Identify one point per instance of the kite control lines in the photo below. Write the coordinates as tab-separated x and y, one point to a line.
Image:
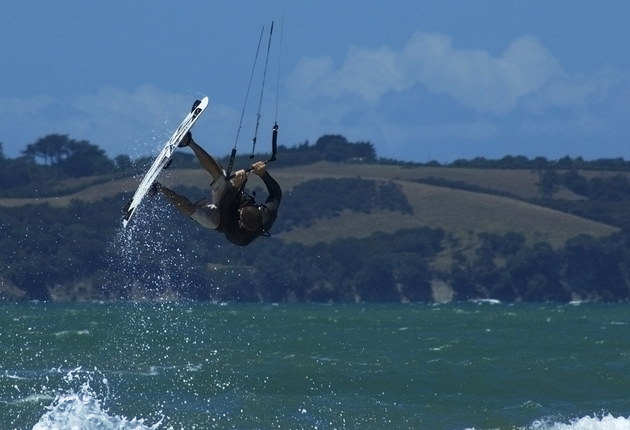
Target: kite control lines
274	130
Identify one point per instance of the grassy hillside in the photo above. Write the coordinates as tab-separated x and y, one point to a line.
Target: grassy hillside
461	213
521	183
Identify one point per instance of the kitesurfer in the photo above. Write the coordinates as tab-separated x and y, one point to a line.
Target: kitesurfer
232	211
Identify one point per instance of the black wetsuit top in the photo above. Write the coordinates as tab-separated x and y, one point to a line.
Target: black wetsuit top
233	199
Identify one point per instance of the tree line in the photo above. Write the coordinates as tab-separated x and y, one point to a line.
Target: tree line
504	268
46	163
55	157
540	164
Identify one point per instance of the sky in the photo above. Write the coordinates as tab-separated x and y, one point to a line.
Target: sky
420	80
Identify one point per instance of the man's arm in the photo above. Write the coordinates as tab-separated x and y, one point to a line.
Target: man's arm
273	188
270	208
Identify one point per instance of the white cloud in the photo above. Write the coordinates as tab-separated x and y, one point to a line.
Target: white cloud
478	130
121	122
31	106
307	77
367	73
375	94
142	102
126	122
380	94
575	91
146	106
472	77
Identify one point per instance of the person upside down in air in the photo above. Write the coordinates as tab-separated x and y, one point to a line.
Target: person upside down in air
231	211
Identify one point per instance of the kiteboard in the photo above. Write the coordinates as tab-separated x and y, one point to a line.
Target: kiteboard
163	159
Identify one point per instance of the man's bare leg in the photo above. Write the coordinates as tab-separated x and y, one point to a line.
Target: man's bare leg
205	159
180	202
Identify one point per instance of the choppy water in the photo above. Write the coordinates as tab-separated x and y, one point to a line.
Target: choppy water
209	366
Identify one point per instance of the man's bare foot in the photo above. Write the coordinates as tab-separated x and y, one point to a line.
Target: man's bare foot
185	140
155	188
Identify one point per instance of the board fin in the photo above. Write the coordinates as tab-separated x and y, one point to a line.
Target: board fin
126	211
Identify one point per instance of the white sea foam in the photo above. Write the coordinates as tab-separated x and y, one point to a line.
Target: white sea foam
83	411
73	332
605	422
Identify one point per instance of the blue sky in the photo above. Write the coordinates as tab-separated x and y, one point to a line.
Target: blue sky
421	80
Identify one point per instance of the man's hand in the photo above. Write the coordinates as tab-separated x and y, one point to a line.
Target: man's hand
240	178
259	168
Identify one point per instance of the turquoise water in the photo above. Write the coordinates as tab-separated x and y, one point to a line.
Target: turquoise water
236	366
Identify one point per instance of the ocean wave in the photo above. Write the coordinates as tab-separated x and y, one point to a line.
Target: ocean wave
83	411
605	422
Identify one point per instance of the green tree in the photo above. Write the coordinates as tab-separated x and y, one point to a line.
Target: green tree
565	163
375	280
540	165
52	149
510	162
549	183
337	148
529	266
413	277
576	183
595	269
123	162
85	159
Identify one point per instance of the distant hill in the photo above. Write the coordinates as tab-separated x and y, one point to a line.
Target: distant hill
351	227
460	212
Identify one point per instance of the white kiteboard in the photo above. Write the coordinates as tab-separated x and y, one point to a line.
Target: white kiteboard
163	159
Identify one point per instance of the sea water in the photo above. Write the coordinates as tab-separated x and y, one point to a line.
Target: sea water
287	366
